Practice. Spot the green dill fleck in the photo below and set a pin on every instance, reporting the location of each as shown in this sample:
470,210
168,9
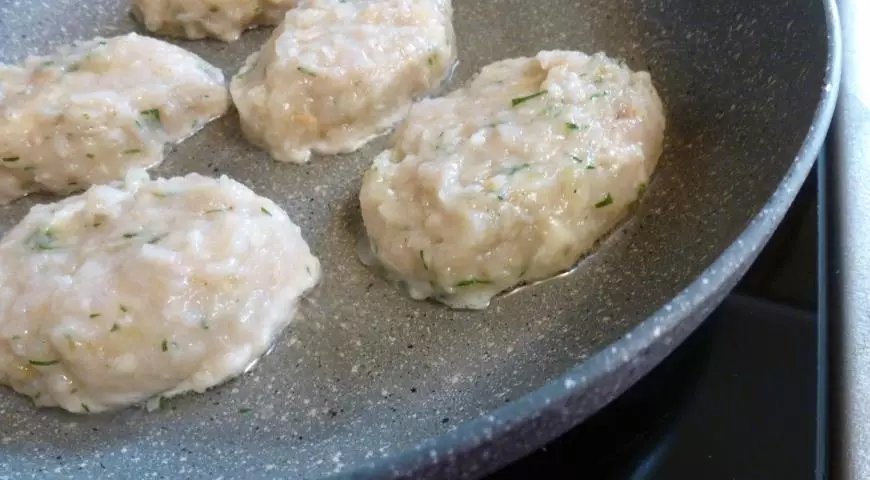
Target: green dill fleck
94,315
245,410
131,235
42,240
47,63
473,281
73,68
164,346
98,224
157,238
308,269
152,116
641,188
115,327
204,325
86,408
517,168
44,363
266,211
74,391
519,100
89,155
574,126
132,151
29,168
432,58
11,159
607,200
218,210
153,113
589,164
306,71
124,308
598,95
162,403
16,337
500,197
159,194
423,259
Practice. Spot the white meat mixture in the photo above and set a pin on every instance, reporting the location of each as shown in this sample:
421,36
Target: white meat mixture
335,73
90,112
196,19
513,178
146,288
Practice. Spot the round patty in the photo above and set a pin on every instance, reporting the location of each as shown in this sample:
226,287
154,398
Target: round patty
94,110
513,178
335,74
150,288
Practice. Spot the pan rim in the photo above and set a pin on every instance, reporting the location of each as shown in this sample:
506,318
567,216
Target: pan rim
555,403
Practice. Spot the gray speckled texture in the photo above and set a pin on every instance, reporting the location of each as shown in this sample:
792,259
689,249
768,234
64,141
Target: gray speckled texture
370,384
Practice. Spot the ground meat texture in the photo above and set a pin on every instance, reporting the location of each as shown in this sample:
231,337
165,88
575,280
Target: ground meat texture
94,110
513,178
221,19
335,74
146,289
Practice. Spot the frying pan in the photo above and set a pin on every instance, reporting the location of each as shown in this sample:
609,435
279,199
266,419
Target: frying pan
369,383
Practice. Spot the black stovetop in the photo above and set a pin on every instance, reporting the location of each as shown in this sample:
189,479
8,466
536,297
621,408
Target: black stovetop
736,401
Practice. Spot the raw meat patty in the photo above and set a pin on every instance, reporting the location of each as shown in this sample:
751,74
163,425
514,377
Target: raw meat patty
513,178
92,111
145,288
337,73
197,19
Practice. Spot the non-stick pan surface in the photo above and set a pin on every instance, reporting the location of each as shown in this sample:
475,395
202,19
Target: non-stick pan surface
366,375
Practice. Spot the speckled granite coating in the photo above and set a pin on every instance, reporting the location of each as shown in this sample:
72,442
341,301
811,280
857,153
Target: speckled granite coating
369,384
